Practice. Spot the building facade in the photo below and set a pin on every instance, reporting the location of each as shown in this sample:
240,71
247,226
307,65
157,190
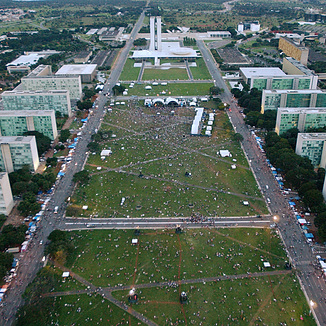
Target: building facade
41,78
15,152
301,118
274,99
293,50
16,123
313,146
87,72
6,200
56,100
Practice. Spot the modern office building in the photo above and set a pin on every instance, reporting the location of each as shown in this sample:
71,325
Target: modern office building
313,146
275,78
86,72
41,78
6,200
83,56
274,99
28,59
56,100
15,152
16,123
294,50
294,67
301,118
253,26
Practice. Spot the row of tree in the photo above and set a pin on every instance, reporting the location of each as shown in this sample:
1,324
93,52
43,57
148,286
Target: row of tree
300,174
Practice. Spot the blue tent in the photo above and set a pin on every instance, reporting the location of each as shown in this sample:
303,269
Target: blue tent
61,174
30,224
304,227
291,203
84,120
309,235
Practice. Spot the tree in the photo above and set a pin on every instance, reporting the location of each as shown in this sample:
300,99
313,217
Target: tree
214,90
118,89
85,105
313,198
237,137
64,135
93,147
81,177
43,142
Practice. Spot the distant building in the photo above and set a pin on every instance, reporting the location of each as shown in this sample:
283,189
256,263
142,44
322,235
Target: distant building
24,62
219,34
253,26
6,200
313,146
111,34
18,151
86,72
301,118
83,56
274,99
293,50
41,78
37,100
16,123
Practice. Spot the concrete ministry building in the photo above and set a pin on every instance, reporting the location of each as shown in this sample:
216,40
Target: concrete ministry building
41,78
275,78
274,99
28,59
294,50
158,49
312,145
300,118
56,100
18,151
6,200
86,72
16,123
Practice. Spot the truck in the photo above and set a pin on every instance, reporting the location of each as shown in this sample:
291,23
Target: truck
56,209
13,250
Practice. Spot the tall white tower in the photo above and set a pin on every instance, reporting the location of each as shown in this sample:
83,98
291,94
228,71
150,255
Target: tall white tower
159,33
152,33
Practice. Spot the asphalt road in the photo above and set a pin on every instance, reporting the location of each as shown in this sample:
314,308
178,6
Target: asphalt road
160,223
31,261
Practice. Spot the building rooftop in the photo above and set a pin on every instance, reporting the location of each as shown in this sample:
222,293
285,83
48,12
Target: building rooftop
291,91
16,139
37,71
31,58
77,69
310,136
23,113
82,54
169,50
41,92
301,66
301,47
250,72
301,110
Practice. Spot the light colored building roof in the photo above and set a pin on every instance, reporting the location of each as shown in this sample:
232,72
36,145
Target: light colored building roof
16,139
312,136
19,113
77,69
41,92
292,91
30,58
262,72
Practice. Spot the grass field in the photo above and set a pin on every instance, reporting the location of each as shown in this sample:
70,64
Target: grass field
201,71
148,166
273,300
165,74
107,257
172,89
129,72
221,271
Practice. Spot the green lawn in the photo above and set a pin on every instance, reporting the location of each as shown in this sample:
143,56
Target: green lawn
160,150
107,257
172,89
270,300
129,72
201,71
165,74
